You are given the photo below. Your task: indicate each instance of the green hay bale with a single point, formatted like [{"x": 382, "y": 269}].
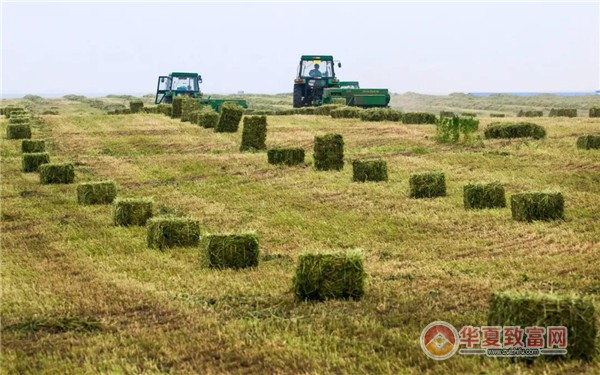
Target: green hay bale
[
  {"x": 530, "y": 113},
  {"x": 31, "y": 145},
  {"x": 18, "y": 131},
  {"x": 230, "y": 250},
  {"x": 497, "y": 115},
  {"x": 484, "y": 196},
  {"x": 447, "y": 114},
  {"x": 286, "y": 156},
  {"x": 380, "y": 114},
  {"x": 132, "y": 211},
  {"x": 329, "y": 152},
  {"x": 57, "y": 173},
  {"x": 335, "y": 275},
  {"x": 188, "y": 107},
  {"x": 418, "y": 118},
  {"x": 369, "y": 170},
  {"x": 514, "y": 130},
  {"x": 543, "y": 205},
  {"x": 304, "y": 111},
  {"x": 9, "y": 110},
  {"x": 207, "y": 118},
  {"x": 325, "y": 110},
  {"x": 165, "y": 109},
  {"x": 346, "y": 112},
  {"x": 588, "y": 141},
  {"x": 427, "y": 185},
  {"x": 19, "y": 119},
  {"x": 229, "y": 121},
  {"x": 101, "y": 192},
  {"x": 1, "y": 111},
  {"x": 254, "y": 133},
  {"x": 172, "y": 232},
  {"x": 338, "y": 101},
  {"x": 563, "y": 112},
  {"x": 32, "y": 161},
  {"x": 136, "y": 106},
  {"x": 595, "y": 112},
  {"x": 529, "y": 309},
  {"x": 176, "y": 106},
  {"x": 468, "y": 114}
]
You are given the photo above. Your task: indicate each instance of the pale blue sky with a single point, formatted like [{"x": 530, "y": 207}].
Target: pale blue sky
[{"x": 101, "y": 48}]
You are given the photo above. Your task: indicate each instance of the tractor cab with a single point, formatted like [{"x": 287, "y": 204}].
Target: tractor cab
[
  {"x": 177, "y": 83},
  {"x": 314, "y": 74}
]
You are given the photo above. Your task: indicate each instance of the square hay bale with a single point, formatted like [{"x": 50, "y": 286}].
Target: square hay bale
[
  {"x": 427, "y": 185},
  {"x": 346, "y": 112},
  {"x": 21, "y": 119},
  {"x": 329, "y": 152},
  {"x": 369, "y": 170},
  {"x": 338, "y": 101},
  {"x": 57, "y": 173},
  {"x": 254, "y": 133},
  {"x": 530, "y": 309},
  {"x": 514, "y": 130},
  {"x": 100, "y": 192},
  {"x": 10, "y": 109},
  {"x": 207, "y": 118},
  {"x": 468, "y": 114},
  {"x": 229, "y": 121},
  {"x": 286, "y": 156},
  {"x": 537, "y": 205},
  {"x": 172, "y": 231},
  {"x": 132, "y": 211},
  {"x": 33, "y": 145},
  {"x": 563, "y": 112},
  {"x": 380, "y": 114},
  {"x": 497, "y": 115},
  {"x": 32, "y": 161},
  {"x": 165, "y": 109},
  {"x": 18, "y": 131},
  {"x": 588, "y": 141},
  {"x": 230, "y": 250},
  {"x": 484, "y": 196},
  {"x": 335, "y": 275},
  {"x": 136, "y": 106},
  {"x": 595, "y": 112},
  {"x": 176, "y": 106},
  {"x": 189, "y": 105},
  {"x": 325, "y": 110},
  {"x": 530, "y": 113},
  {"x": 418, "y": 118}
]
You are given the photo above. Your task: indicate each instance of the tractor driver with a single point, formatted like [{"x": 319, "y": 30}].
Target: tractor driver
[{"x": 315, "y": 72}]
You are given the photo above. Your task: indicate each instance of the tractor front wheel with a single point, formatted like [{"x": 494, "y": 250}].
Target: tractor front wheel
[{"x": 298, "y": 96}]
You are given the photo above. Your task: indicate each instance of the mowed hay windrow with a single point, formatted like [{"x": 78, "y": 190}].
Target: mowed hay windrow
[
  {"x": 32, "y": 161},
  {"x": 484, "y": 196},
  {"x": 136, "y": 106},
  {"x": 588, "y": 141},
  {"x": 132, "y": 211},
  {"x": 334, "y": 275},
  {"x": 56, "y": 173},
  {"x": 172, "y": 232},
  {"x": 369, "y": 170},
  {"x": 535, "y": 309},
  {"x": 230, "y": 250},
  {"x": 286, "y": 156},
  {"x": 514, "y": 130},
  {"x": 346, "y": 112},
  {"x": 18, "y": 131},
  {"x": 33, "y": 145},
  {"x": 254, "y": 133},
  {"x": 229, "y": 121},
  {"x": 427, "y": 185},
  {"x": 542, "y": 205},
  {"x": 207, "y": 118},
  {"x": 100, "y": 192},
  {"x": 329, "y": 152}
]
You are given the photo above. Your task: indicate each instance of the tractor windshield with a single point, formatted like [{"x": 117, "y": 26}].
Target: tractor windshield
[
  {"x": 316, "y": 69},
  {"x": 184, "y": 84}
]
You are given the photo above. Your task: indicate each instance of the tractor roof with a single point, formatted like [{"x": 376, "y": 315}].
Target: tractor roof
[
  {"x": 317, "y": 57},
  {"x": 181, "y": 74}
]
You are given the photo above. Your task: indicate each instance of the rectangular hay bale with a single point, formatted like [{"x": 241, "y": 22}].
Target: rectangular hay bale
[
  {"x": 427, "y": 185},
  {"x": 254, "y": 133},
  {"x": 33, "y": 145},
  {"x": 231, "y": 250},
  {"x": 57, "y": 173},
  {"x": 530, "y": 309},
  {"x": 369, "y": 170},
  {"x": 99, "y": 192},
  {"x": 208, "y": 118},
  {"x": 132, "y": 211},
  {"x": 32, "y": 161},
  {"x": 346, "y": 112},
  {"x": 514, "y": 130},
  {"x": 594, "y": 112},
  {"x": 229, "y": 121},
  {"x": 176, "y": 106},
  {"x": 329, "y": 152},
  {"x": 18, "y": 131},
  {"x": 136, "y": 106},
  {"x": 334, "y": 275},
  {"x": 286, "y": 156},
  {"x": 484, "y": 196},
  {"x": 172, "y": 232},
  {"x": 537, "y": 205},
  {"x": 588, "y": 141}
]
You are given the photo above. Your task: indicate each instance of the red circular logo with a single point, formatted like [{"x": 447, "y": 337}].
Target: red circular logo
[{"x": 439, "y": 340}]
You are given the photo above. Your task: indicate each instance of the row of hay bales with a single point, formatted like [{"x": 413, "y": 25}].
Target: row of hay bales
[
  {"x": 508, "y": 130},
  {"x": 558, "y": 112}
]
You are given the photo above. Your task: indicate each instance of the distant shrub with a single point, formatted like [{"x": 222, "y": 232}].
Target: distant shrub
[
  {"x": 254, "y": 133},
  {"x": 346, "y": 112},
  {"x": 418, "y": 118},
  {"x": 514, "y": 130},
  {"x": 563, "y": 112},
  {"x": 450, "y": 129},
  {"x": 329, "y": 152},
  {"x": 530, "y": 113},
  {"x": 286, "y": 156}
]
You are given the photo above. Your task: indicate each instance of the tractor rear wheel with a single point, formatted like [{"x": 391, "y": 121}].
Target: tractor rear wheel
[{"x": 297, "y": 96}]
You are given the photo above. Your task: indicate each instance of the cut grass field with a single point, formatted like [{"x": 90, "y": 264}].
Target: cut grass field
[{"x": 80, "y": 295}]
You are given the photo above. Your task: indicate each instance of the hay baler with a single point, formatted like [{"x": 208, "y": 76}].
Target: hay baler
[
  {"x": 355, "y": 96},
  {"x": 188, "y": 84}
]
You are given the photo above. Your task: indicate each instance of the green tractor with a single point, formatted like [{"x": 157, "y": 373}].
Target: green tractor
[
  {"x": 315, "y": 73},
  {"x": 188, "y": 84}
]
